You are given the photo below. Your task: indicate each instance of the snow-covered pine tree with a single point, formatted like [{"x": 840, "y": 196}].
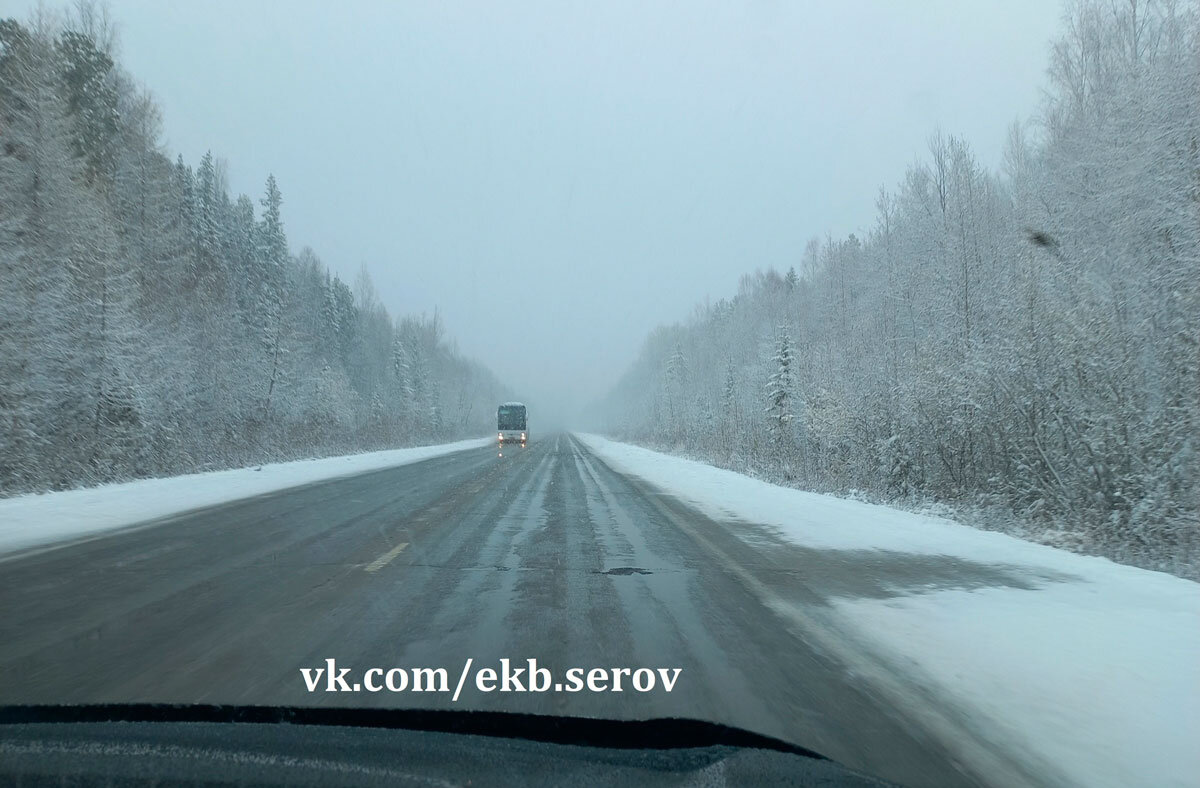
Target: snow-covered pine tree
[
  {"x": 270, "y": 285},
  {"x": 675, "y": 381},
  {"x": 207, "y": 219},
  {"x": 780, "y": 388},
  {"x": 91, "y": 95},
  {"x": 134, "y": 337},
  {"x": 729, "y": 422}
]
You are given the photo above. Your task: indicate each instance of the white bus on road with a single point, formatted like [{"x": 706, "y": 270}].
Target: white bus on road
[{"x": 511, "y": 423}]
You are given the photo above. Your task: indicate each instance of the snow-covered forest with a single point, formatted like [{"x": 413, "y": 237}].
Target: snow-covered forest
[
  {"x": 1023, "y": 344},
  {"x": 151, "y": 324}
]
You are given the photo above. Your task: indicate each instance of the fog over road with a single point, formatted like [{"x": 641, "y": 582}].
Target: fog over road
[{"x": 543, "y": 553}]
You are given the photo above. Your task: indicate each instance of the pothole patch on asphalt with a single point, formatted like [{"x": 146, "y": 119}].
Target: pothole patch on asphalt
[{"x": 626, "y": 570}]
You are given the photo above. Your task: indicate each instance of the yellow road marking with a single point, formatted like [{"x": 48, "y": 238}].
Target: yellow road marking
[{"x": 386, "y": 558}]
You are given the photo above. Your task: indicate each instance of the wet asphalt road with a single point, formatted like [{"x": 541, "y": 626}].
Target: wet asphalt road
[{"x": 543, "y": 553}]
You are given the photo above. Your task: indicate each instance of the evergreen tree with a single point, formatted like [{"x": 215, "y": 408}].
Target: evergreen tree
[
  {"x": 148, "y": 324},
  {"x": 91, "y": 95},
  {"x": 780, "y": 388},
  {"x": 269, "y": 278}
]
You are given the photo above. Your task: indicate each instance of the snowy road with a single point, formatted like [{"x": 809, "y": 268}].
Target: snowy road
[
  {"x": 504, "y": 557},
  {"x": 547, "y": 553}
]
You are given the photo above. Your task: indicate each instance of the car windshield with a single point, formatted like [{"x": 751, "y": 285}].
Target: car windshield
[{"x": 844, "y": 361}]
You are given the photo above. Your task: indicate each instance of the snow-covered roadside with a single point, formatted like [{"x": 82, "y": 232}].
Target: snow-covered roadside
[
  {"x": 33, "y": 520},
  {"x": 1098, "y": 675},
  {"x": 1101, "y": 678}
]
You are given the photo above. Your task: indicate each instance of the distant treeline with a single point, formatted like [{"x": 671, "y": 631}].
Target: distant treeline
[
  {"x": 150, "y": 324},
  {"x": 1027, "y": 342}
]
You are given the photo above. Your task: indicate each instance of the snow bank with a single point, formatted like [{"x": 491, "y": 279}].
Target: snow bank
[
  {"x": 1098, "y": 675},
  {"x": 34, "y": 520},
  {"x": 1102, "y": 680},
  {"x": 825, "y": 522}
]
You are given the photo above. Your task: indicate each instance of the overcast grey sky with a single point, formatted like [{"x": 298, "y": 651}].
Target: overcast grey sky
[{"x": 557, "y": 178}]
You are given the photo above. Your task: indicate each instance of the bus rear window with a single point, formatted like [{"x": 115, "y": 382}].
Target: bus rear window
[{"x": 511, "y": 418}]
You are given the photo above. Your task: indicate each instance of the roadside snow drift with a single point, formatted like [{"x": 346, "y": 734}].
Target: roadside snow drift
[
  {"x": 1095, "y": 675},
  {"x": 33, "y": 520}
]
